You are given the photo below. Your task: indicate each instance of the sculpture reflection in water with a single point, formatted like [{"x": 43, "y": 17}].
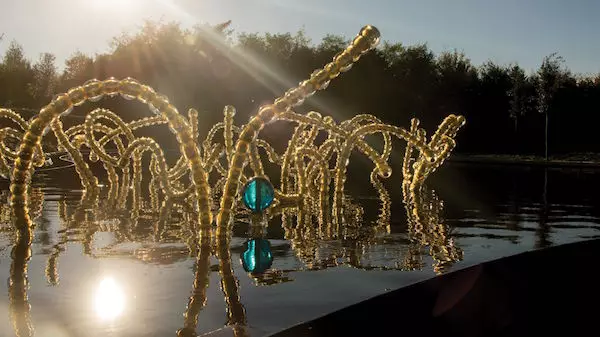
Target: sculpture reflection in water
[
  {"x": 427, "y": 236},
  {"x": 310, "y": 212},
  {"x": 19, "y": 307}
]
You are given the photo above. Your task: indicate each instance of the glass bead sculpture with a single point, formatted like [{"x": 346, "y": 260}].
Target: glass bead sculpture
[{"x": 258, "y": 194}]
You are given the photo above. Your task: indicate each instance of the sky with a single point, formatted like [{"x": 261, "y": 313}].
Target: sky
[{"x": 503, "y": 31}]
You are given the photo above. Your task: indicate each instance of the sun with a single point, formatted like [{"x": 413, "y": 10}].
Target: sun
[{"x": 112, "y": 5}]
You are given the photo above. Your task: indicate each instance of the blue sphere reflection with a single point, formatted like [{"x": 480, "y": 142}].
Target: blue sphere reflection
[
  {"x": 257, "y": 257},
  {"x": 258, "y": 194}
]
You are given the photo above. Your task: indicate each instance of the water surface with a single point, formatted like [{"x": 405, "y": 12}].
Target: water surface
[{"x": 107, "y": 276}]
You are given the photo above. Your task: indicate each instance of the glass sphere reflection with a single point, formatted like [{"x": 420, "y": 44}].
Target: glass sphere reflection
[{"x": 257, "y": 257}]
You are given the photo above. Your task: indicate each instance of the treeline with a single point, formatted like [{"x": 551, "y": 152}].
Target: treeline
[{"x": 208, "y": 67}]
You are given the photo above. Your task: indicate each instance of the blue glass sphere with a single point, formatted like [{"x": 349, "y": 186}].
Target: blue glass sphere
[
  {"x": 258, "y": 194},
  {"x": 257, "y": 257}
]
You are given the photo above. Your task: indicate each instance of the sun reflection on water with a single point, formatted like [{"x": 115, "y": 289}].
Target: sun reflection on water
[{"x": 110, "y": 299}]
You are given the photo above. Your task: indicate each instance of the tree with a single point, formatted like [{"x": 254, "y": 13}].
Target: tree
[
  {"x": 414, "y": 74},
  {"x": 78, "y": 69},
  {"x": 456, "y": 81},
  {"x": 45, "y": 78},
  {"x": 332, "y": 43},
  {"x": 517, "y": 94},
  {"x": 494, "y": 117},
  {"x": 15, "y": 78},
  {"x": 551, "y": 77}
]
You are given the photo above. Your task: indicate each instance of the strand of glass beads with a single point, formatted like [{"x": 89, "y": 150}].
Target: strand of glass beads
[{"x": 366, "y": 40}]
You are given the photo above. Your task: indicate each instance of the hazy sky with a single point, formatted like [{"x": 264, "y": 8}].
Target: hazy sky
[{"x": 504, "y": 31}]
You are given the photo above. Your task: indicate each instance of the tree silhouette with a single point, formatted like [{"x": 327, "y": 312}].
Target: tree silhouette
[
  {"x": 45, "y": 77},
  {"x": 509, "y": 111},
  {"x": 551, "y": 78},
  {"x": 16, "y": 75}
]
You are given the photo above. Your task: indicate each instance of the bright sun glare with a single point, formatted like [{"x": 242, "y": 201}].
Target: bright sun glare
[
  {"x": 115, "y": 5},
  {"x": 110, "y": 299}
]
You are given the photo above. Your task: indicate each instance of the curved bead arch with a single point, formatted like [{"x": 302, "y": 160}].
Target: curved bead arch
[
  {"x": 92, "y": 91},
  {"x": 9, "y": 132}
]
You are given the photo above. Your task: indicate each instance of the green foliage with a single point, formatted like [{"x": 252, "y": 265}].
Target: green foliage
[
  {"x": 332, "y": 44},
  {"x": 552, "y": 75},
  {"x": 208, "y": 66},
  {"x": 16, "y": 75},
  {"x": 78, "y": 69},
  {"x": 45, "y": 79}
]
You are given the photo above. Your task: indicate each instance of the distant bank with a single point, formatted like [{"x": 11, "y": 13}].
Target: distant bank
[{"x": 565, "y": 161}]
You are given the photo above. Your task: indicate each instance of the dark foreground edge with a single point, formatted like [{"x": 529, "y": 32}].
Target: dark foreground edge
[{"x": 536, "y": 293}]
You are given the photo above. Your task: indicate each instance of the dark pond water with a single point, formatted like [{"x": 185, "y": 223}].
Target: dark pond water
[{"x": 108, "y": 276}]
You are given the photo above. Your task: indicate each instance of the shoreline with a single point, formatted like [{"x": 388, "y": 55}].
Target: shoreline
[{"x": 521, "y": 161}]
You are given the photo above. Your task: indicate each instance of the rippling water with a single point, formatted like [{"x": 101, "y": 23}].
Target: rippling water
[{"x": 109, "y": 276}]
